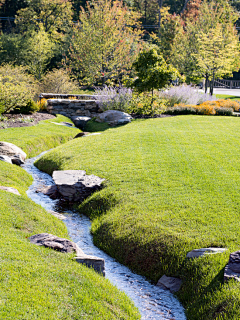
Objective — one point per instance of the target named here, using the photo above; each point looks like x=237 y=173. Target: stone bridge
x=71 y=105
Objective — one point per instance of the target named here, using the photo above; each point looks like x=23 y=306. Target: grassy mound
x=172 y=186
x=36 y=282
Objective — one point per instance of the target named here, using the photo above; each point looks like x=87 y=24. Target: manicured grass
x=173 y=185
x=226 y=96
x=43 y=136
x=36 y=282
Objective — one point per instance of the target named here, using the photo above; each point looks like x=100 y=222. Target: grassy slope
x=36 y=282
x=172 y=185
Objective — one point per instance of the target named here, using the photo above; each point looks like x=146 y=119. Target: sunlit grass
x=173 y=185
x=36 y=282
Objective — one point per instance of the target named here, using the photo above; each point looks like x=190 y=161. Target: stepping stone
x=75 y=185
x=10 y=189
x=196 y=253
x=170 y=283
x=232 y=269
x=98 y=264
x=50 y=241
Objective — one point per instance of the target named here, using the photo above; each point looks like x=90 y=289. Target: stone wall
x=83 y=105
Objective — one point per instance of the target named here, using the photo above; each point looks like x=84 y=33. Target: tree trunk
x=185 y=5
x=212 y=84
x=160 y=4
x=206 y=83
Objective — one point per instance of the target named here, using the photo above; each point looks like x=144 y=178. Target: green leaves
x=152 y=71
x=104 y=45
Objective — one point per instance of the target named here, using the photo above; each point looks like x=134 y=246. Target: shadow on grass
x=93 y=126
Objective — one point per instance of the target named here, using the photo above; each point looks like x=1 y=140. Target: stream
x=153 y=302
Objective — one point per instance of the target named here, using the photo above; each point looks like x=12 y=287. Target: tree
x=55 y=17
x=104 y=44
x=217 y=55
x=186 y=45
x=152 y=71
x=40 y=51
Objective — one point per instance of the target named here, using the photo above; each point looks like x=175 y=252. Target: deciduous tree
x=152 y=71
x=104 y=43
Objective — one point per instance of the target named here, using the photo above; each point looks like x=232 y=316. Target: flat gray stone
x=66 y=124
x=204 y=251
x=5 y=158
x=170 y=283
x=10 y=150
x=56 y=243
x=75 y=185
x=98 y=264
x=232 y=269
x=114 y=117
x=10 y=189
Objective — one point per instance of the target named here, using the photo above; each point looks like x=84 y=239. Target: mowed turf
x=173 y=185
x=36 y=282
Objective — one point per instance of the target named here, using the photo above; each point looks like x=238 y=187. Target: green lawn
x=36 y=282
x=226 y=96
x=173 y=185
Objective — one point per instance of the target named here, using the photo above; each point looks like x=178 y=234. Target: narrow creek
x=152 y=301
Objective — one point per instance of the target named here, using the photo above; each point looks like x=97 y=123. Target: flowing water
x=152 y=301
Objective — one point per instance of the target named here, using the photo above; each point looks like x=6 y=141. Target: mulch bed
x=23 y=120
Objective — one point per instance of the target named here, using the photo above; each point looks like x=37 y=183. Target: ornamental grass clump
x=186 y=94
x=112 y=98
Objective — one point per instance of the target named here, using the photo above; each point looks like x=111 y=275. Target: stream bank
x=153 y=302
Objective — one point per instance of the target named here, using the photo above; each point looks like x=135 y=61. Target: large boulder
x=60 y=244
x=232 y=269
x=12 y=151
x=80 y=121
x=75 y=185
x=5 y=158
x=114 y=117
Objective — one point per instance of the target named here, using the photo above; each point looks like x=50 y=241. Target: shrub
x=112 y=98
x=42 y=104
x=58 y=81
x=219 y=108
x=145 y=104
x=17 y=87
x=224 y=111
x=185 y=94
x=30 y=107
x=182 y=109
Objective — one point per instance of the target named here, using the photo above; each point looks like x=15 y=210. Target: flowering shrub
x=111 y=98
x=42 y=104
x=185 y=94
x=143 y=104
x=219 y=107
